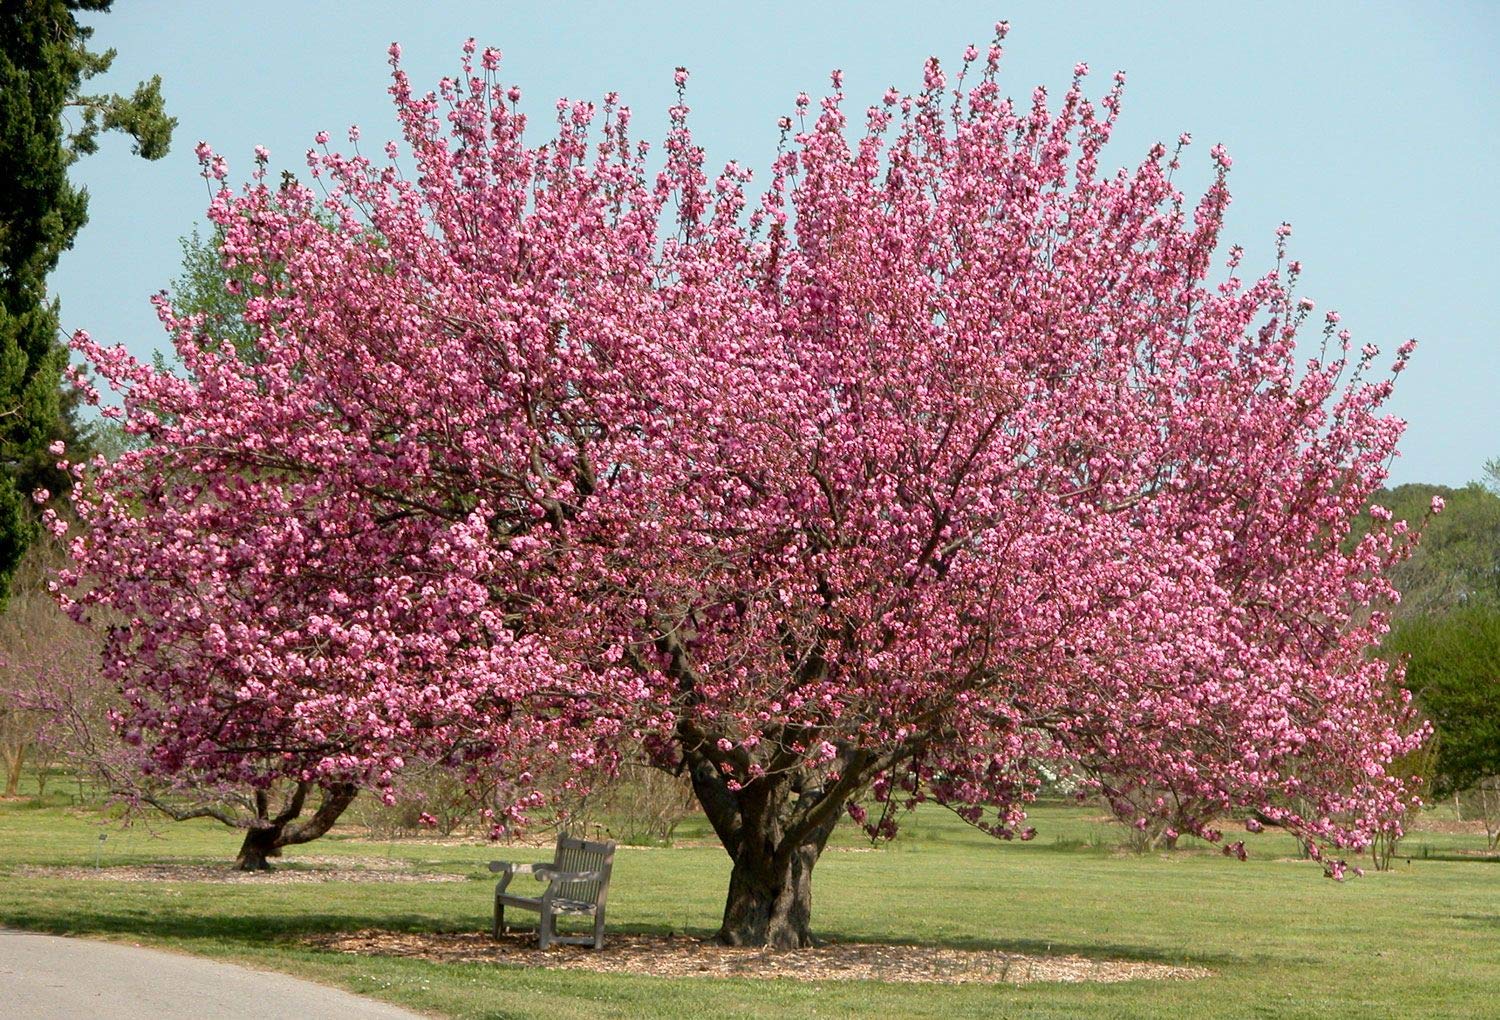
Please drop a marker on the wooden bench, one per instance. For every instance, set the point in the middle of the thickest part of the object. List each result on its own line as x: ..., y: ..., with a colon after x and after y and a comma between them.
x: 577, y: 883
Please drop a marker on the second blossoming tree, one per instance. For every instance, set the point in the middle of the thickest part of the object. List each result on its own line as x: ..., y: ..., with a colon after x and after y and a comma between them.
x: 938, y: 465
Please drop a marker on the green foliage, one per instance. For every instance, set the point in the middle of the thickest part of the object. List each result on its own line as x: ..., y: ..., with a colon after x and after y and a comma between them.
x: 202, y: 290
x: 44, y: 61
x: 219, y: 295
x: 1457, y: 562
x: 1416, y: 769
x: 1454, y: 671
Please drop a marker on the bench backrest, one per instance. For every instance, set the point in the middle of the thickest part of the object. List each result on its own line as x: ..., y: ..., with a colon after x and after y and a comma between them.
x: 582, y: 855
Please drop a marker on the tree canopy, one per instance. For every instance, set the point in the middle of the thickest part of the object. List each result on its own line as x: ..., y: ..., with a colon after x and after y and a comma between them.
x: 940, y: 466
x: 1453, y: 668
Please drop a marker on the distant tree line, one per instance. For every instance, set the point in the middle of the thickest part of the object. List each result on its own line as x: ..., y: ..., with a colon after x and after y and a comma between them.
x: 1448, y: 626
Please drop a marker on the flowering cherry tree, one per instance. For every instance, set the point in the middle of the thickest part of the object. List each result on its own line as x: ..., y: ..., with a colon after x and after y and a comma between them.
x: 938, y: 465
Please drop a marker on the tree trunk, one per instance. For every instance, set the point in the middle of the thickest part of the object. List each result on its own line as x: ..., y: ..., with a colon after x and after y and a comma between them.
x: 774, y: 831
x: 268, y: 834
x: 770, y: 902
x: 259, y: 847
x: 775, y: 825
x: 15, y: 757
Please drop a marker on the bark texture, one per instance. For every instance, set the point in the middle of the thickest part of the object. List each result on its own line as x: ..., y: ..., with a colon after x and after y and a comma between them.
x: 774, y: 831
x: 15, y: 758
x: 770, y: 899
x: 268, y: 833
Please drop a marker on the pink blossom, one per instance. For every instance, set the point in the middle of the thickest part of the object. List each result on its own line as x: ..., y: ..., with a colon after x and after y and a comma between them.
x: 834, y: 490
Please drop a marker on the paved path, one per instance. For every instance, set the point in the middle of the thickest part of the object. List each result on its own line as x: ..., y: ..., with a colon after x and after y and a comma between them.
x: 45, y: 977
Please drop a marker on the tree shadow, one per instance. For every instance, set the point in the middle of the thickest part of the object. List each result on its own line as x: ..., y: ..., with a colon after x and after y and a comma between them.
x: 259, y: 928
x: 1450, y: 857
x: 1483, y: 920
x: 1087, y: 950
x: 294, y: 929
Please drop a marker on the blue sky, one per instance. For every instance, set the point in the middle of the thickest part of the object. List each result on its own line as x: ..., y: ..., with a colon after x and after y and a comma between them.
x: 1371, y: 127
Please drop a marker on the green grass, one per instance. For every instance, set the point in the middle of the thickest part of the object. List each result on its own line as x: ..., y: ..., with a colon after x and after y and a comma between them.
x: 1281, y: 940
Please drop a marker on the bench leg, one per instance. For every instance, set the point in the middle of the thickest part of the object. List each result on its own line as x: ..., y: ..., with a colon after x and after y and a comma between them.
x: 599, y: 931
x: 499, y: 918
x: 545, y: 929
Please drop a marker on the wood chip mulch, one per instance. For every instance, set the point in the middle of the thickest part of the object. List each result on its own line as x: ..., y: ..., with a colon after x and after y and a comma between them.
x: 681, y: 956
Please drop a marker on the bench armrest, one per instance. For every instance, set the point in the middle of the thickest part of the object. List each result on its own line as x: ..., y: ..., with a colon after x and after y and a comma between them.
x: 508, y: 870
x: 511, y: 868
x: 560, y: 877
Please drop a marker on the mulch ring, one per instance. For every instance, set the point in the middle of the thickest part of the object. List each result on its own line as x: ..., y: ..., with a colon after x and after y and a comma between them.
x: 682, y: 956
x: 306, y: 869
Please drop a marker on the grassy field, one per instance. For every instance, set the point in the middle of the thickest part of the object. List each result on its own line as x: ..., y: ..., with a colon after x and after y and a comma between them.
x: 1422, y: 940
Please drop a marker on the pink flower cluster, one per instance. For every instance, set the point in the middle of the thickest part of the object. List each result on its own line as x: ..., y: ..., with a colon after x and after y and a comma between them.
x: 936, y: 465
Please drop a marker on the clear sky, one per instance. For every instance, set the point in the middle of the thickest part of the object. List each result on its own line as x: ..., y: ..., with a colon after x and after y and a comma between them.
x: 1371, y: 127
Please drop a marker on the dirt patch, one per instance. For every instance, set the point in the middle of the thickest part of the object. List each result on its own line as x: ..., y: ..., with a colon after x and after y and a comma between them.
x: 305, y: 870
x: 1447, y: 826
x: 669, y: 956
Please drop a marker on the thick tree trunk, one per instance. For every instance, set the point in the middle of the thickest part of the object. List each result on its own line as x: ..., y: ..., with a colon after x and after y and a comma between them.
x: 774, y: 831
x: 269, y: 833
x: 774, y: 826
x: 770, y: 901
x: 259, y: 847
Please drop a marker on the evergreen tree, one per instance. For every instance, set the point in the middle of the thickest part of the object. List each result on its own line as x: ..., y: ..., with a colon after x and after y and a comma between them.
x: 47, y: 122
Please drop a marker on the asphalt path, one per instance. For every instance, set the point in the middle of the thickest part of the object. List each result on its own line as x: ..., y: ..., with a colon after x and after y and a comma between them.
x: 47, y: 977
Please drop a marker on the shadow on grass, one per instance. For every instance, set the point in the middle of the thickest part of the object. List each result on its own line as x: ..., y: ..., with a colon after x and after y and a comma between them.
x: 291, y: 930
x: 1482, y: 920
x: 218, y: 927
x: 1052, y: 947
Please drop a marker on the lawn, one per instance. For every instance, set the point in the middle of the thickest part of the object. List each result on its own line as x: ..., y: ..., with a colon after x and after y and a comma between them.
x: 1281, y: 940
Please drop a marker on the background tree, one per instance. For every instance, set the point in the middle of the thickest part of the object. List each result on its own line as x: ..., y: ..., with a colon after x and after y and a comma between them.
x: 1448, y: 630
x: 939, y: 469
x: 205, y: 289
x: 1453, y: 668
x: 46, y: 122
x: 1457, y: 563
x: 43, y: 655
x: 215, y: 294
